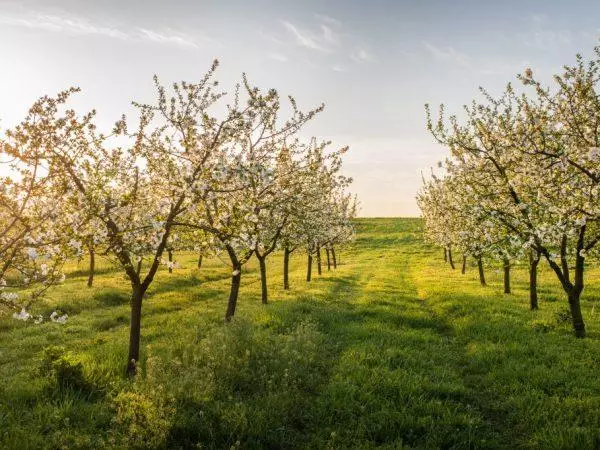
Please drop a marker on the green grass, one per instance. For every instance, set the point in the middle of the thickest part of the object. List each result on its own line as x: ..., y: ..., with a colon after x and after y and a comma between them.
x: 391, y: 350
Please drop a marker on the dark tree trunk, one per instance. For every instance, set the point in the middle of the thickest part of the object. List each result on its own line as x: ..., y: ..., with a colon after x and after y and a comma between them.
x: 170, y: 260
x: 200, y: 261
x: 319, y: 268
x: 334, y: 258
x: 135, y: 329
x: 506, y: 264
x: 534, y: 259
x: 263, y: 278
x: 309, y: 268
x: 463, y: 270
x: 445, y: 254
x: 450, y: 260
x: 286, y: 269
x: 90, y: 281
x: 577, y: 317
x: 480, y: 268
x: 138, y: 270
x: 236, y: 279
x: 328, y: 258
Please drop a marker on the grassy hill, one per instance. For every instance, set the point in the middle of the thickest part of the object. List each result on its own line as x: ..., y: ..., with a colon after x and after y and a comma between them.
x: 393, y: 349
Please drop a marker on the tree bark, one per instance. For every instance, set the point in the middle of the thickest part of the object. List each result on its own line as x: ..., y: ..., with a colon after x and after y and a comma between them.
x: 445, y: 254
x: 506, y: 264
x: 534, y: 259
x: 319, y: 268
x: 334, y: 258
x: 463, y: 270
x: 236, y: 279
x: 450, y: 260
x: 286, y: 268
x: 309, y: 268
x: 170, y: 260
x: 90, y: 281
x: 263, y: 278
x: 577, y: 317
x: 480, y: 268
x: 328, y: 258
x: 138, y: 270
x: 135, y: 329
x: 200, y: 261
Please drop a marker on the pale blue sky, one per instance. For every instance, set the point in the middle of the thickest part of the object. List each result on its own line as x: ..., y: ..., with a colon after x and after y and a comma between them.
x: 373, y: 63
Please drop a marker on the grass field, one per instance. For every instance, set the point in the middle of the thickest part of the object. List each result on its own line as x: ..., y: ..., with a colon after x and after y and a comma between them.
x: 391, y: 350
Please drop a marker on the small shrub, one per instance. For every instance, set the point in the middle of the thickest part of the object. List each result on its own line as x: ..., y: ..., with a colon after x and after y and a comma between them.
x: 143, y: 420
x: 64, y: 372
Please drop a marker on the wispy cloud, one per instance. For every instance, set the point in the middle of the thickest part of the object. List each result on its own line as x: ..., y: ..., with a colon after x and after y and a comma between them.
x: 278, y: 57
x: 448, y: 54
x: 83, y: 26
x: 541, y: 34
x: 362, y: 55
x: 310, y: 40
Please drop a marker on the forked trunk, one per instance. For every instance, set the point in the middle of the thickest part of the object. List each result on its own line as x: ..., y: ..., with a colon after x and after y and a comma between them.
x: 506, y: 264
x: 480, y: 269
x: 534, y: 259
x: 286, y: 268
x: 135, y: 329
x: 450, y: 258
x: 263, y: 278
x: 463, y: 270
x: 309, y: 268
x: 328, y: 258
x: 319, y: 268
x: 90, y: 281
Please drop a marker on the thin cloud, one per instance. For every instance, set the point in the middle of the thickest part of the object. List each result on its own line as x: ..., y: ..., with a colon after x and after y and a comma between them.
x: 329, y: 20
x: 305, y: 38
x: 278, y: 57
x: 449, y: 54
x: 83, y: 26
x: 361, y: 55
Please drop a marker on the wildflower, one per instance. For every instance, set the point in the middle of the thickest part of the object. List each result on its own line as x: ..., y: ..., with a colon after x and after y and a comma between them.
x: 23, y: 315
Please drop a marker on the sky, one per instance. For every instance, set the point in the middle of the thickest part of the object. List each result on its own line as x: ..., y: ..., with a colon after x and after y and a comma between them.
x: 374, y: 64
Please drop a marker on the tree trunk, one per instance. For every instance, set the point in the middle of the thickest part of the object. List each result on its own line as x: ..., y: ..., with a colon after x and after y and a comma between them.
x: 263, y: 278
x: 90, y: 281
x: 575, y: 307
x: 480, y: 268
x: 506, y: 264
x: 445, y: 254
x: 309, y: 268
x: 334, y: 258
x: 200, y: 261
x: 286, y: 269
x: 236, y: 278
x: 138, y: 270
x: 450, y: 260
x: 328, y: 258
x: 533, y: 263
x: 134, y: 329
x: 170, y: 260
x: 463, y: 270
x: 319, y: 268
